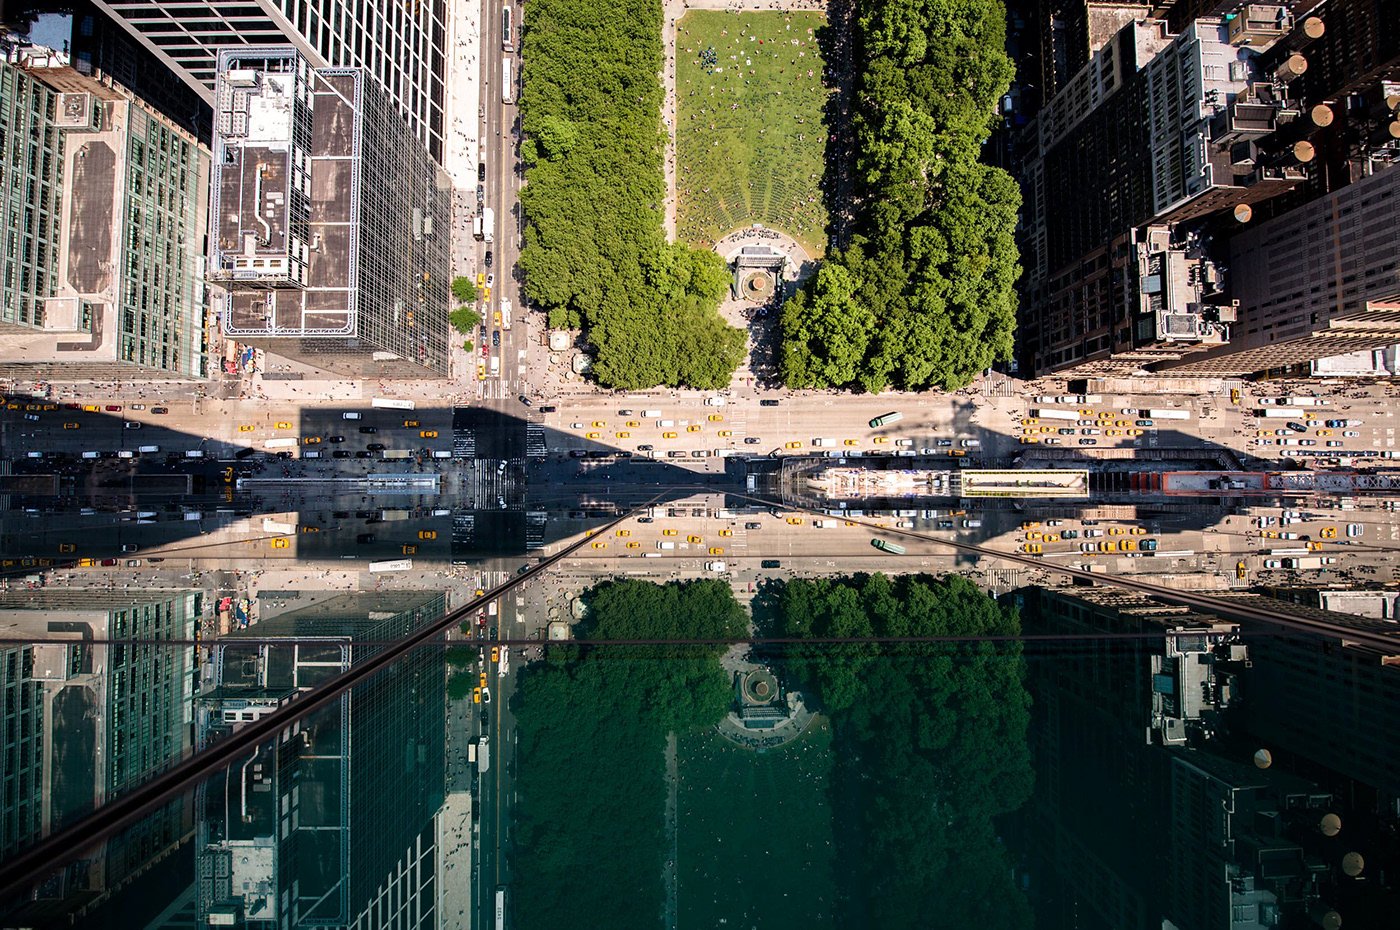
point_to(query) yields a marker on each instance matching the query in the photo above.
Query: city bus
(506, 42)
(1167, 414)
(507, 88)
(1047, 414)
(892, 548)
(500, 909)
(885, 420)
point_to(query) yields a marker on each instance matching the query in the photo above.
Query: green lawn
(754, 844)
(750, 137)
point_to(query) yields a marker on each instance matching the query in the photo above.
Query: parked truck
(483, 755)
(488, 225)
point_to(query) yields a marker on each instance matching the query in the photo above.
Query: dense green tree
(592, 722)
(595, 251)
(464, 319)
(935, 257)
(931, 737)
(462, 288)
(460, 685)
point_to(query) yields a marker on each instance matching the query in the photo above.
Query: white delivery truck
(651, 414)
(505, 314)
(495, 366)
(1046, 414)
(488, 224)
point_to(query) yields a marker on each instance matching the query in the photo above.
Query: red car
(72, 406)
(114, 408)
(109, 561)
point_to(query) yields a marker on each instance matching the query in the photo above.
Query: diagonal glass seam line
(66, 844)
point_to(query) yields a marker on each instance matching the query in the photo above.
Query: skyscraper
(401, 45)
(331, 226)
(332, 826)
(106, 215)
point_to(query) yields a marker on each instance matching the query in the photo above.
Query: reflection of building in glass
(332, 825)
(90, 720)
(104, 278)
(403, 46)
(331, 222)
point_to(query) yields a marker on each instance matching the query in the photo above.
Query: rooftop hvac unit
(241, 77)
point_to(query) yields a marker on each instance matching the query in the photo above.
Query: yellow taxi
(495, 317)
(1088, 412)
(50, 406)
(716, 550)
(716, 417)
(1132, 432)
(410, 424)
(481, 279)
(624, 532)
(693, 429)
(725, 433)
(1030, 440)
(410, 550)
(310, 440)
(1123, 423)
(483, 679)
(1266, 432)
(668, 435)
(66, 547)
(1138, 531)
(70, 426)
(1052, 537)
(245, 428)
(1030, 524)
(694, 539)
(633, 424)
(280, 543)
(480, 369)
(476, 695)
(600, 423)
(795, 521)
(1325, 432)
(852, 442)
(731, 533)
(1035, 535)
(427, 534)
(624, 435)
(1117, 531)
(881, 439)
(1129, 545)
(668, 532)
(282, 425)
(1328, 532)
(1032, 549)
(495, 653)
(228, 474)
(1113, 432)
(90, 408)
(793, 445)
(595, 436)
(1107, 546)
(600, 544)
(1029, 421)
(1234, 395)
(1241, 570)
(634, 545)
(308, 529)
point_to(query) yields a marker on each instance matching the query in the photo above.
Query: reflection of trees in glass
(592, 726)
(930, 741)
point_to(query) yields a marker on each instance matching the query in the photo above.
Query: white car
(1350, 434)
(1089, 432)
(577, 425)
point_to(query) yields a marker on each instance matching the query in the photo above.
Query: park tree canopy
(934, 260)
(595, 253)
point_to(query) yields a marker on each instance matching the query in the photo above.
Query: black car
(770, 563)
(159, 410)
(578, 453)
(623, 455)
(365, 538)
(753, 526)
(284, 455)
(646, 448)
(361, 454)
(337, 438)
(244, 453)
(700, 454)
(1088, 442)
(364, 514)
(1297, 427)
(369, 429)
(645, 520)
(489, 258)
(598, 453)
(341, 514)
(496, 338)
(376, 447)
(751, 440)
(675, 455)
(340, 454)
(481, 171)
(526, 401)
(548, 409)
(768, 403)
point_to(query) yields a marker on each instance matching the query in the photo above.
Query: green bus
(889, 547)
(886, 420)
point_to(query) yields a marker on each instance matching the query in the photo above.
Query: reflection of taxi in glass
(716, 550)
(1234, 395)
(694, 539)
(228, 474)
(279, 543)
(245, 428)
(427, 534)
(283, 425)
(693, 429)
(1241, 571)
(668, 435)
(716, 417)
(600, 545)
(668, 532)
